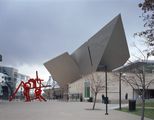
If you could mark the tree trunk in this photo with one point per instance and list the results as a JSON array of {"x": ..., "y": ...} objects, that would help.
[
  {"x": 94, "y": 101},
  {"x": 143, "y": 96},
  {"x": 143, "y": 105}
]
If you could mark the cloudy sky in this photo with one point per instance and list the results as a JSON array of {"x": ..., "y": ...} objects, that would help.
[{"x": 34, "y": 31}]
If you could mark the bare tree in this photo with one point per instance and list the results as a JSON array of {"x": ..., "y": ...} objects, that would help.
[
  {"x": 147, "y": 6},
  {"x": 136, "y": 78},
  {"x": 97, "y": 85}
]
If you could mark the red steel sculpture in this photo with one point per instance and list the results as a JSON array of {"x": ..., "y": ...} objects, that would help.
[{"x": 35, "y": 84}]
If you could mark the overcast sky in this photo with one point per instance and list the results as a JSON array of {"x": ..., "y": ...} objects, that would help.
[{"x": 34, "y": 31}]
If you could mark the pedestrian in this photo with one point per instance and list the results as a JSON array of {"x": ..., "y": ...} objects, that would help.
[
  {"x": 126, "y": 96},
  {"x": 103, "y": 98}
]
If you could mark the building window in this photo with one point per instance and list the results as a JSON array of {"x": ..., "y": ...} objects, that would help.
[{"x": 87, "y": 89}]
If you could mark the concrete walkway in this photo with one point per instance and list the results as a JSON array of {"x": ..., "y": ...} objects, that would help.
[{"x": 54, "y": 110}]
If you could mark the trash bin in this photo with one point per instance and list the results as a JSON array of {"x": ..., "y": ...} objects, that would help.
[
  {"x": 132, "y": 105},
  {"x": 90, "y": 99}
]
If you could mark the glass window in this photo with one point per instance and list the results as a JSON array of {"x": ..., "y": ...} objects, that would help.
[{"x": 87, "y": 89}]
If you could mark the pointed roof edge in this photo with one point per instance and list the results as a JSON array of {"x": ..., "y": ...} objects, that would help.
[
  {"x": 113, "y": 19},
  {"x": 122, "y": 25},
  {"x": 119, "y": 18},
  {"x": 116, "y": 18},
  {"x": 86, "y": 42}
]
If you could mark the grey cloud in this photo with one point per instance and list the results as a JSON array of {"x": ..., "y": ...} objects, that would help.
[{"x": 33, "y": 31}]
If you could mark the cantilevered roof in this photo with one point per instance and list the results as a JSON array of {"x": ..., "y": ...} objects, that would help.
[
  {"x": 63, "y": 69},
  {"x": 137, "y": 65},
  {"x": 108, "y": 47}
]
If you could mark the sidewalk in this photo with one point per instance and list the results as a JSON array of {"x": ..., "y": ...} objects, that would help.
[{"x": 53, "y": 110}]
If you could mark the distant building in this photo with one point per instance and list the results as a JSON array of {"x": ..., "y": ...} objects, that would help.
[
  {"x": 24, "y": 78},
  {"x": 12, "y": 74},
  {"x": 3, "y": 86},
  {"x": 21, "y": 77},
  {"x": 9, "y": 80},
  {"x": 53, "y": 93}
]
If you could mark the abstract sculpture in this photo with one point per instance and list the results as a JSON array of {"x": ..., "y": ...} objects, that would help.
[{"x": 35, "y": 84}]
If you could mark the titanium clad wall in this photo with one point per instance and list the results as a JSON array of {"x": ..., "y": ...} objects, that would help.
[
  {"x": 107, "y": 47},
  {"x": 82, "y": 58},
  {"x": 97, "y": 45},
  {"x": 63, "y": 69},
  {"x": 116, "y": 52}
]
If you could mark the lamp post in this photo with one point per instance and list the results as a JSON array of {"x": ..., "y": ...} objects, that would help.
[
  {"x": 106, "y": 91},
  {"x": 120, "y": 90}
]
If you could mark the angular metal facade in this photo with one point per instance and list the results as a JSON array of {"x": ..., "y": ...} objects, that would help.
[
  {"x": 108, "y": 47},
  {"x": 63, "y": 69}
]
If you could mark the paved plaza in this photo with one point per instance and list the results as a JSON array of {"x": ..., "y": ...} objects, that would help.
[{"x": 58, "y": 110}]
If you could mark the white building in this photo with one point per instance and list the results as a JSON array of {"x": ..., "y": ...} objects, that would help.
[
  {"x": 83, "y": 86},
  {"x": 3, "y": 78},
  {"x": 21, "y": 77}
]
